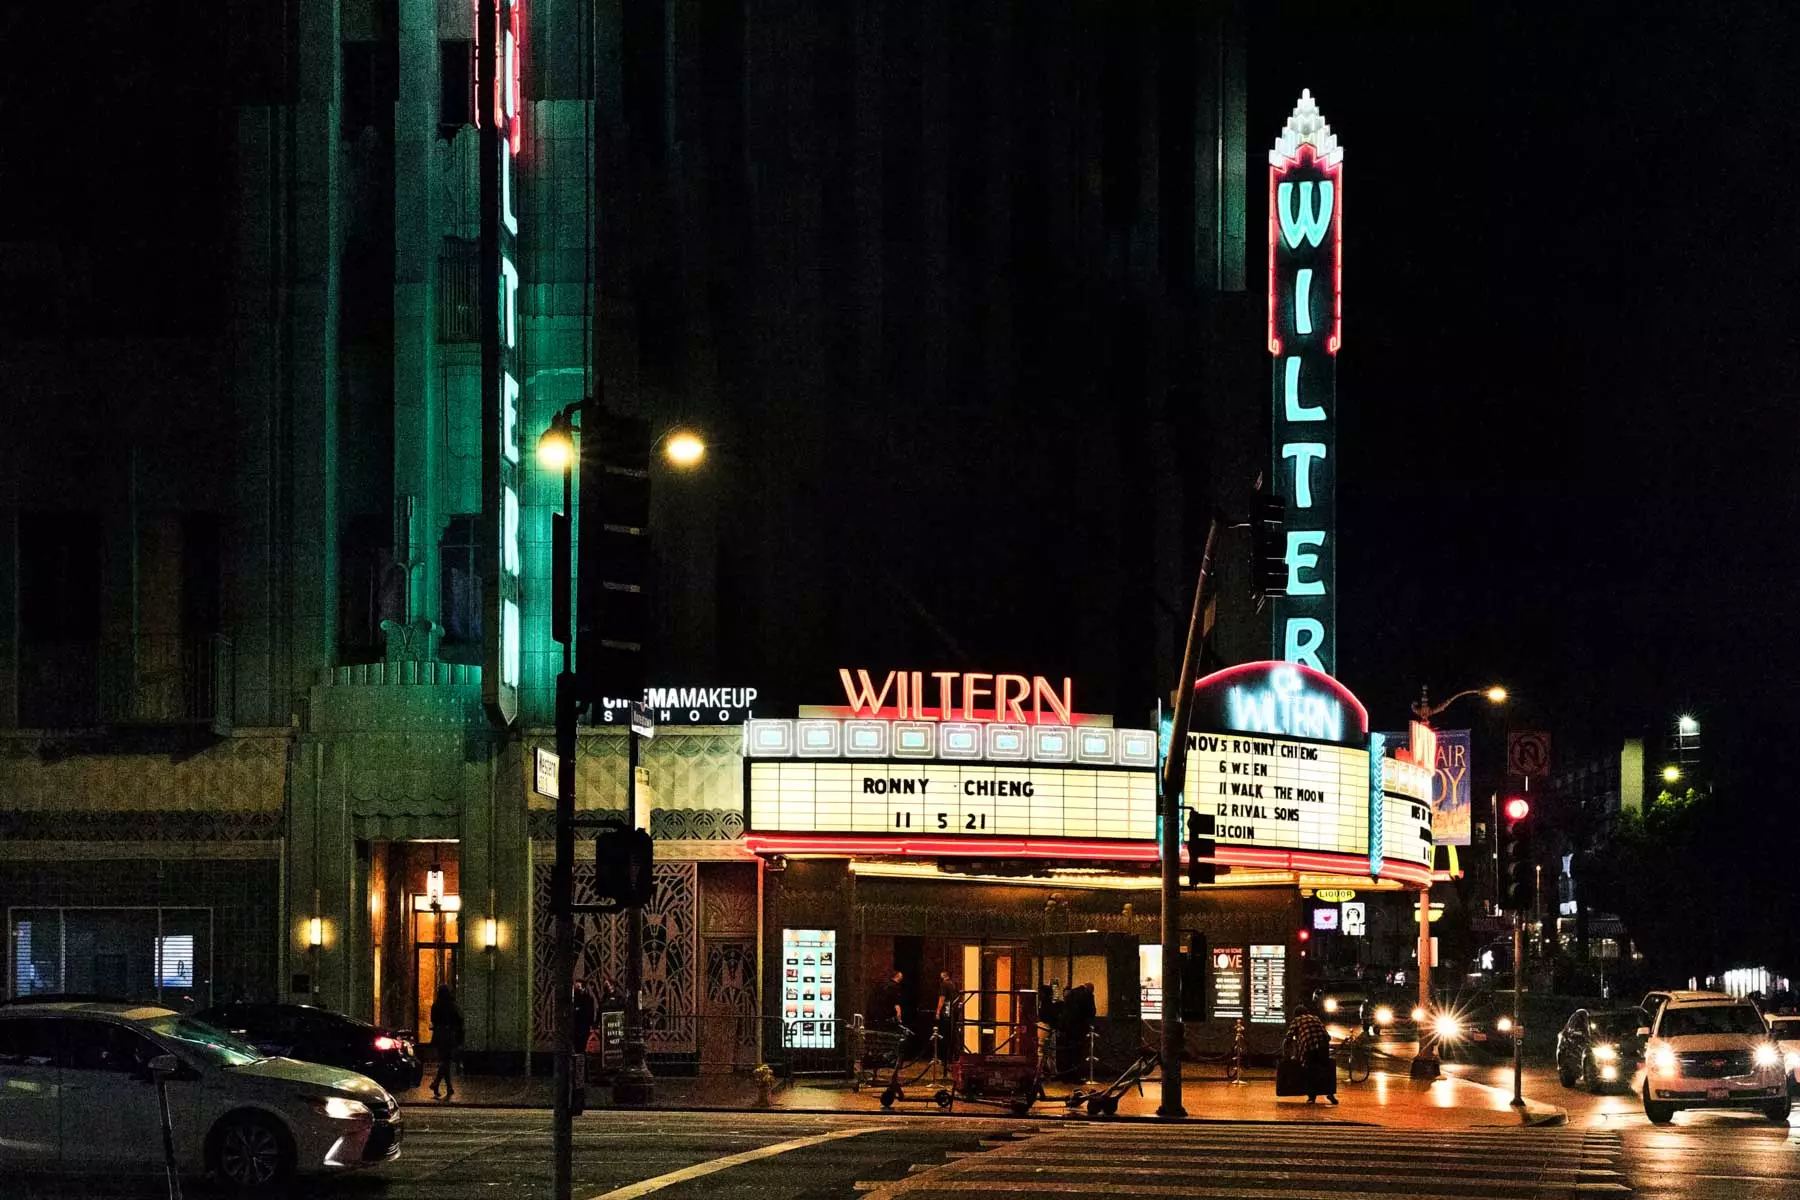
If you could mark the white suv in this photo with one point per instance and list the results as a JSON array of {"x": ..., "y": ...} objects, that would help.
[
  {"x": 78, "y": 1092},
  {"x": 1711, "y": 1052}
]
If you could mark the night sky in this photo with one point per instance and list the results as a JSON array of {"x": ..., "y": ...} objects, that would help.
[{"x": 1567, "y": 386}]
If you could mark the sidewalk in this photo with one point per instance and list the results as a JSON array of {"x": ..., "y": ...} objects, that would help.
[{"x": 1388, "y": 1098}]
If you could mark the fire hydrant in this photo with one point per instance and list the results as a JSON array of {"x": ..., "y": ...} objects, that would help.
[{"x": 765, "y": 1084}]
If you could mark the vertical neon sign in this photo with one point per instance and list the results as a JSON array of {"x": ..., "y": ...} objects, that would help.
[
  {"x": 499, "y": 112},
  {"x": 1306, "y": 205}
]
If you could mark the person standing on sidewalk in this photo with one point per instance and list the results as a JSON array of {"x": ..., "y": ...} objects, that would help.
[
  {"x": 1312, "y": 1046},
  {"x": 581, "y": 1028},
  {"x": 945, "y": 1016},
  {"x": 446, "y": 1039}
]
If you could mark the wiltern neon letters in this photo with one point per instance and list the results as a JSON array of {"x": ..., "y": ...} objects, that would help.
[{"x": 1306, "y": 205}]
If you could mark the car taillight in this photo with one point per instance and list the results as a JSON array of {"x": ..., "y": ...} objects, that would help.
[{"x": 385, "y": 1042}]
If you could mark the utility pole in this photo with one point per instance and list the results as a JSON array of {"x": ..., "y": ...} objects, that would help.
[
  {"x": 1518, "y": 1031},
  {"x": 562, "y": 871},
  {"x": 633, "y": 1083},
  {"x": 1174, "y": 775}
]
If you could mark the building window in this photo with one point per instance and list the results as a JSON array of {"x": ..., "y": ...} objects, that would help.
[
  {"x": 456, "y": 86},
  {"x": 59, "y": 619},
  {"x": 459, "y": 600},
  {"x": 372, "y": 588},
  {"x": 371, "y": 86},
  {"x": 459, "y": 290},
  {"x": 159, "y": 955}
]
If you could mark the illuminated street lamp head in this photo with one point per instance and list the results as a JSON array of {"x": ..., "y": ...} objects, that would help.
[
  {"x": 556, "y": 448},
  {"x": 1671, "y": 773},
  {"x": 1496, "y": 694},
  {"x": 683, "y": 448}
]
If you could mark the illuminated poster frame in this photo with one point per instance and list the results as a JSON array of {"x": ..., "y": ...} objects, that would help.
[
  {"x": 500, "y": 117},
  {"x": 1306, "y": 200}
]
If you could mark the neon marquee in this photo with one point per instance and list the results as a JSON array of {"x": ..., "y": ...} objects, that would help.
[{"x": 1306, "y": 202}]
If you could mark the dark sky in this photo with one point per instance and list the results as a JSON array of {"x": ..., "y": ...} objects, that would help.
[{"x": 1568, "y": 380}]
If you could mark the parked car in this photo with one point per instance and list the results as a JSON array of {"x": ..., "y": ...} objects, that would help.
[
  {"x": 1786, "y": 1032},
  {"x": 319, "y": 1035},
  {"x": 1711, "y": 1051},
  {"x": 78, "y": 1093},
  {"x": 1599, "y": 1048}
]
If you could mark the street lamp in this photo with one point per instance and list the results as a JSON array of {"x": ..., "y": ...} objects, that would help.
[
  {"x": 683, "y": 448},
  {"x": 1425, "y": 1065},
  {"x": 1671, "y": 774}
]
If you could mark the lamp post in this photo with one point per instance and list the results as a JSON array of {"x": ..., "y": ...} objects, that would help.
[
  {"x": 1425, "y": 1064},
  {"x": 556, "y": 451}
]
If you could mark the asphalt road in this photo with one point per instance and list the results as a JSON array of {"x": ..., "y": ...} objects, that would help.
[
  {"x": 1606, "y": 1149},
  {"x": 452, "y": 1154}
]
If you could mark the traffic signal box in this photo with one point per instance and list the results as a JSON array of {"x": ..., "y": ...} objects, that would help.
[
  {"x": 1518, "y": 862},
  {"x": 624, "y": 867},
  {"x": 1201, "y": 848},
  {"x": 1268, "y": 545},
  {"x": 613, "y": 566}
]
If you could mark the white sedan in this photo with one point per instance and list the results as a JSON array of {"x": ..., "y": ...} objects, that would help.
[
  {"x": 78, "y": 1093},
  {"x": 1786, "y": 1032}
]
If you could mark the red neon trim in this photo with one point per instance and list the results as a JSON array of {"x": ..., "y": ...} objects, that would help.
[
  {"x": 1120, "y": 851},
  {"x": 1274, "y": 341},
  {"x": 518, "y": 69},
  {"x": 1220, "y": 678}
]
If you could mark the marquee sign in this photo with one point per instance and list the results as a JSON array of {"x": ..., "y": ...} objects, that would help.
[
  {"x": 949, "y": 788},
  {"x": 1280, "y": 792},
  {"x": 1280, "y": 699},
  {"x": 1306, "y": 200},
  {"x": 959, "y": 696},
  {"x": 499, "y": 112}
]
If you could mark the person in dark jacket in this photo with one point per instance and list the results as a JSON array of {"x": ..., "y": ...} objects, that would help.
[
  {"x": 582, "y": 1022},
  {"x": 1311, "y": 1044},
  {"x": 1077, "y": 1021},
  {"x": 446, "y": 1039}
]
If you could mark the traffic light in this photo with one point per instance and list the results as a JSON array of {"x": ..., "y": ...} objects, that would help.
[
  {"x": 613, "y": 566},
  {"x": 1518, "y": 863},
  {"x": 1268, "y": 545},
  {"x": 623, "y": 862},
  {"x": 1200, "y": 848}
]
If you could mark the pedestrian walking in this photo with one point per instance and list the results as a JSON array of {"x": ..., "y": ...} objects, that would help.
[
  {"x": 1309, "y": 1042},
  {"x": 1077, "y": 1021},
  {"x": 945, "y": 1016},
  {"x": 446, "y": 1039}
]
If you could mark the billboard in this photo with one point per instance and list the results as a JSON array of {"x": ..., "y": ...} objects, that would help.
[{"x": 1450, "y": 793}]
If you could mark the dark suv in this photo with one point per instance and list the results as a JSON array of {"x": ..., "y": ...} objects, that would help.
[{"x": 319, "y": 1035}]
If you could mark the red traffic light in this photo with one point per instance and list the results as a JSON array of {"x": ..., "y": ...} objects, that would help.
[
  {"x": 1518, "y": 808},
  {"x": 1306, "y": 935}
]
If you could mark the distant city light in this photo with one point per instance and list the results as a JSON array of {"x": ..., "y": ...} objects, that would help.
[{"x": 1687, "y": 726}]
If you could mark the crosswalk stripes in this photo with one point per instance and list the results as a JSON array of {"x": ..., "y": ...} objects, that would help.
[{"x": 1285, "y": 1162}]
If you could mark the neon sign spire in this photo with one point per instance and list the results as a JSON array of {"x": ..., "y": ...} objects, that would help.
[{"x": 1306, "y": 286}]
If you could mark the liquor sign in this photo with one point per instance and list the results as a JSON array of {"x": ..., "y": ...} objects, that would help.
[
  {"x": 1305, "y": 329},
  {"x": 499, "y": 112},
  {"x": 951, "y": 788}
]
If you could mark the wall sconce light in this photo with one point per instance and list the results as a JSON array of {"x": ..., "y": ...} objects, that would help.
[
  {"x": 490, "y": 934},
  {"x": 315, "y": 932},
  {"x": 434, "y": 883}
]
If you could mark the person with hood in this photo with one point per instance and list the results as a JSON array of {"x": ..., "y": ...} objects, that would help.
[
  {"x": 1310, "y": 1043},
  {"x": 446, "y": 1039}
]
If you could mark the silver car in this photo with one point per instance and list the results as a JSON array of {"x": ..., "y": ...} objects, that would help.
[{"x": 78, "y": 1093}]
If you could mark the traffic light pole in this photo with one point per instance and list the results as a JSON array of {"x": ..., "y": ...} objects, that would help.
[
  {"x": 1174, "y": 774},
  {"x": 562, "y": 881},
  {"x": 1518, "y": 1030},
  {"x": 633, "y": 1084}
]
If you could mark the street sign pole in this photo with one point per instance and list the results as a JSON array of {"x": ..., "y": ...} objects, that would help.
[
  {"x": 1174, "y": 774},
  {"x": 1518, "y": 1030},
  {"x": 633, "y": 1084}
]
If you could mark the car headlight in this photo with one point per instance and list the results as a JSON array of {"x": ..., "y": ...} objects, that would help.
[
  {"x": 1767, "y": 1055},
  {"x": 1663, "y": 1059},
  {"x": 1418, "y": 1014},
  {"x": 1446, "y": 1026},
  {"x": 1384, "y": 1015},
  {"x": 1605, "y": 1053},
  {"x": 1331, "y": 1005},
  {"x": 339, "y": 1108},
  {"x": 1504, "y": 1024}
]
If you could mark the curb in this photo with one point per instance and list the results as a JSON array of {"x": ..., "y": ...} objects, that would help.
[{"x": 1546, "y": 1118}]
